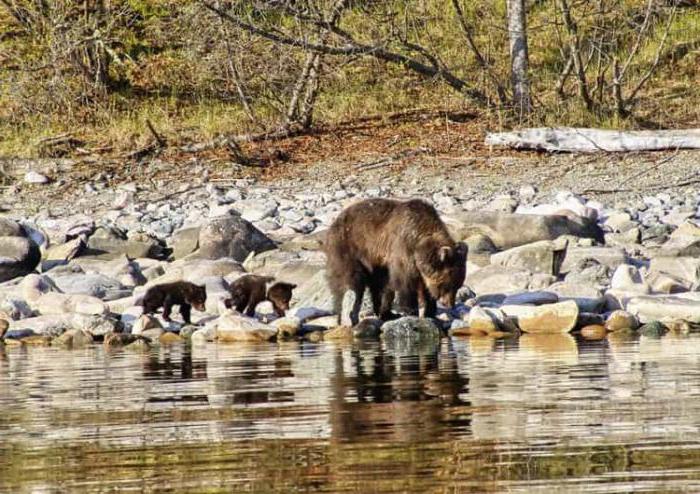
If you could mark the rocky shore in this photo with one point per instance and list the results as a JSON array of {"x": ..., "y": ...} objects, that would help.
[{"x": 539, "y": 262}]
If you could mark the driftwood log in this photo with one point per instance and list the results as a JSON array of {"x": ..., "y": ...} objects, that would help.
[{"x": 574, "y": 140}]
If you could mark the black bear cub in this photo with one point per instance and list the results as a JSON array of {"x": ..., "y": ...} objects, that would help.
[
  {"x": 182, "y": 293},
  {"x": 249, "y": 290}
]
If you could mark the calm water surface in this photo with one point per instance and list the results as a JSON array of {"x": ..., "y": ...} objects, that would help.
[{"x": 472, "y": 415}]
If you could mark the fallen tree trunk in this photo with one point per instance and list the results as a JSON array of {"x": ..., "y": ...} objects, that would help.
[{"x": 574, "y": 140}]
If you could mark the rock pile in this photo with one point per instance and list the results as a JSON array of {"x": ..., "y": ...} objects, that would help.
[{"x": 536, "y": 265}]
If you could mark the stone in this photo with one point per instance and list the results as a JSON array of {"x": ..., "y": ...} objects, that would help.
[
  {"x": 32, "y": 177},
  {"x": 231, "y": 236},
  {"x": 74, "y": 338},
  {"x": 504, "y": 204},
  {"x": 531, "y": 298},
  {"x": 588, "y": 298},
  {"x": 411, "y": 335},
  {"x": 145, "y": 322},
  {"x": 61, "y": 254},
  {"x": 593, "y": 332},
  {"x": 62, "y": 303},
  {"x": 255, "y": 209},
  {"x": 667, "y": 284},
  {"x": 96, "y": 285},
  {"x": 682, "y": 246},
  {"x": 527, "y": 192},
  {"x": 628, "y": 279},
  {"x": 34, "y": 285},
  {"x": 559, "y": 318},
  {"x": 111, "y": 243},
  {"x": 590, "y": 319},
  {"x": 486, "y": 319},
  {"x": 617, "y": 221},
  {"x": 512, "y": 230},
  {"x": 611, "y": 257},
  {"x": 10, "y": 228},
  {"x": 234, "y": 328},
  {"x": 630, "y": 237},
  {"x": 184, "y": 241},
  {"x": 18, "y": 257},
  {"x": 621, "y": 319},
  {"x": 367, "y": 328},
  {"x": 683, "y": 268},
  {"x": 203, "y": 335},
  {"x": 170, "y": 338},
  {"x": 337, "y": 333},
  {"x": 653, "y": 307},
  {"x": 287, "y": 327},
  {"x": 589, "y": 272},
  {"x": 14, "y": 309},
  {"x": 653, "y": 329},
  {"x": 497, "y": 279},
  {"x": 538, "y": 257}
]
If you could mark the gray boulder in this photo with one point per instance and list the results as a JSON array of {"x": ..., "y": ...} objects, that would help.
[
  {"x": 19, "y": 256},
  {"x": 497, "y": 279},
  {"x": 411, "y": 336},
  {"x": 110, "y": 243},
  {"x": 512, "y": 230},
  {"x": 611, "y": 257},
  {"x": 96, "y": 285},
  {"x": 231, "y": 236},
  {"x": 538, "y": 257}
]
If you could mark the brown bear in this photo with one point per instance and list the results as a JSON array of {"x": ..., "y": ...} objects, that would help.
[
  {"x": 182, "y": 293},
  {"x": 249, "y": 290},
  {"x": 393, "y": 247}
]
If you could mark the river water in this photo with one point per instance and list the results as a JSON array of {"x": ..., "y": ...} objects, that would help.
[{"x": 535, "y": 414}]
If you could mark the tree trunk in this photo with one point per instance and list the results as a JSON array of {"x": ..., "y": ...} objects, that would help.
[{"x": 519, "y": 62}]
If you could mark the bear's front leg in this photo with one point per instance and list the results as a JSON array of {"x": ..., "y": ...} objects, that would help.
[{"x": 185, "y": 311}]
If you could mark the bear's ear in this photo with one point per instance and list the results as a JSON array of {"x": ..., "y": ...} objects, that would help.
[{"x": 445, "y": 253}]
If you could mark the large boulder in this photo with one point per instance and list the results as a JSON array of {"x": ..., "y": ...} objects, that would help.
[
  {"x": 110, "y": 243},
  {"x": 56, "y": 324},
  {"x": 551, "y": 318},
  {"x": 684, "y": 268},
  {"x": 96, "y": 285},
  {"x": 58, "y": 255},
  {"x": 231, "y": 236},
  {"x": 588, "y": 297},
  {"x": 538, "y": 257},
  {"x": 62, "y": 303},
  {"x": 292, "y": 267},
  {"x": 19, "y": 254},
  {"x": 650, "y": 308},
  {"x": 411, "y": 335},
  {"x": 235, "y": 328},
  {"x": 611, "y": 257},
  {"x": 497, "y": 279},
  {"x": 512, "y": 230},
  {"x": 34, "y": 285},
  {"x": 184, "y": 241}
]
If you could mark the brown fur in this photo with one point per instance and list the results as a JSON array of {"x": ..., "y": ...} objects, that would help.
[
  {"x": 249, "y": 290},
  {"x": 393, "y": 247},
  {"x": 182, "y": 293}
]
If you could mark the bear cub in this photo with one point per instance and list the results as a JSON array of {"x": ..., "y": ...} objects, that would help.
[
  {"x": 182, "y": 293},
  {"x": 249, "y": 290}
]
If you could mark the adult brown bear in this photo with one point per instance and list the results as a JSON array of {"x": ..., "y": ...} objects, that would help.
[{"x": 393, "y": 247}]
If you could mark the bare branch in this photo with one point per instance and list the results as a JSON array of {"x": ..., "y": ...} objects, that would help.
[{"x": 354, "y": 47}]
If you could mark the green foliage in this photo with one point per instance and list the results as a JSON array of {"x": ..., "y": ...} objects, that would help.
[{"x": 178, "y": 63}]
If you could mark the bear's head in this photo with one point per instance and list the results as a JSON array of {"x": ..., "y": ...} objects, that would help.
[
  {"x": 280, "y": 294},
  {"x": 196, "y": 296},
  {"x": 443, "y": 268}
]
